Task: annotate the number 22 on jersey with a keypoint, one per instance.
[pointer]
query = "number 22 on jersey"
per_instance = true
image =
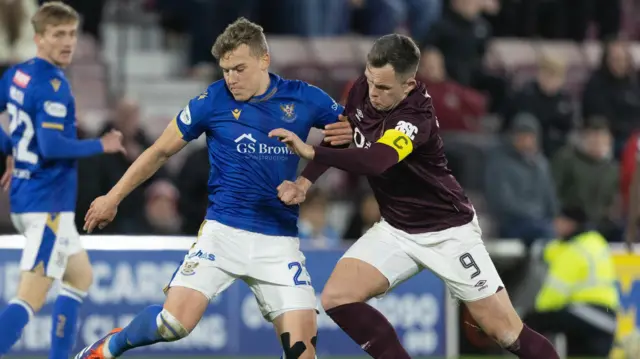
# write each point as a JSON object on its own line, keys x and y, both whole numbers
{"x": 17, "y": 117}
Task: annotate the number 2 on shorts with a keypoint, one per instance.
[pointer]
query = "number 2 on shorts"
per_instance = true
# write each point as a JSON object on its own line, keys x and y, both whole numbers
{"x": 467, "y": 262}
{"x": 296, "y": 277}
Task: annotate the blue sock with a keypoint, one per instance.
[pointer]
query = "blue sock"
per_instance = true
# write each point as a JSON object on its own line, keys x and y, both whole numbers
{"x": 143, "y": 330}
{"x": 12, "y": 320}
{"x": 65, "y": 319}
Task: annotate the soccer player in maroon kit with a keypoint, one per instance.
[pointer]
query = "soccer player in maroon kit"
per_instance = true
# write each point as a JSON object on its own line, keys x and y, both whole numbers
{"x": 428, "y": 222}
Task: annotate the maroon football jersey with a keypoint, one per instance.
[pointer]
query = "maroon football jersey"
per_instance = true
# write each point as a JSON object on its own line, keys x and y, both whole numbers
{"x": 419, "y": 194}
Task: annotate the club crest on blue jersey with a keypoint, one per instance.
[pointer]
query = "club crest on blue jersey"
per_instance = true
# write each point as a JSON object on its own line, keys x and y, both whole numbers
{"x": 289, "y": 112}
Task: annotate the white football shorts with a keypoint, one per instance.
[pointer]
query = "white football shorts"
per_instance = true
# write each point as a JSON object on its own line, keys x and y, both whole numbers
{"x": 457, "y": 255}
{"x": 272, "y": 266}
{"x": 51, "y": 238}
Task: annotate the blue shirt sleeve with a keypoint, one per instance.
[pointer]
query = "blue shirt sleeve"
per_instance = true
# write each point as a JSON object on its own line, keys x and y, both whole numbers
{"x": 324, "y": 109}
{"x": 193, "y": 120}
{"x": 51, "y": 113}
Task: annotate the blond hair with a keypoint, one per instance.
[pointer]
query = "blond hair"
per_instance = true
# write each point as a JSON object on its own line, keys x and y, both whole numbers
{"x": 241, "y": 32}
{"x": 52, "y": 14}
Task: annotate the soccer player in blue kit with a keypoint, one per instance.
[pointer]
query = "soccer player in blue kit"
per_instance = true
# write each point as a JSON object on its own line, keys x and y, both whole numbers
{"x": 248, "y": 233}
{"x": 43, "y": 150}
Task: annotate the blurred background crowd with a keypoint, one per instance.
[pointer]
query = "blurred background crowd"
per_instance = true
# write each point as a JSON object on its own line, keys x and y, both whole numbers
{"x": 538, "y": 100}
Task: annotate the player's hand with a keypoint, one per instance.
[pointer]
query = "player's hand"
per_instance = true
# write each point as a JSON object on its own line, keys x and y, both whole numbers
{"x": 102, "y": 211}
{"x": 5, "y": 181}
{"x": 112, "y": 142}
{"x": 294, "y": 143}
{"x": 291, "y": 193}
{"x": 339, "y": 133}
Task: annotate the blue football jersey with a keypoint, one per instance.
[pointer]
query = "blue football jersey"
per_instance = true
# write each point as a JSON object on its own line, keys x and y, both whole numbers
{"x": 246, "y": 165}
{"x": 38, "y": 99}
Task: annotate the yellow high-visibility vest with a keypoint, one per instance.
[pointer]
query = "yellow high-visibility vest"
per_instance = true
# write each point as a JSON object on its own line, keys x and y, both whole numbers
{"x": 581, "y": 271}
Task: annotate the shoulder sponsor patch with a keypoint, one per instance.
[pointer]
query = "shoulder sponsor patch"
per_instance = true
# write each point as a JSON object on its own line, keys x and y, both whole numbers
{"x": 55, "y": 109}
{"x": 407, "y": 128}
{"x": 21, "y": 79}
{"x": 185, "y": 116}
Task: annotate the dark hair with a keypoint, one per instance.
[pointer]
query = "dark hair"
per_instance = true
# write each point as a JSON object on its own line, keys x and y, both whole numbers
{"x": 241, "y": 32}
{"x": 399, "y": 51}
{"x": 596, "y": 123}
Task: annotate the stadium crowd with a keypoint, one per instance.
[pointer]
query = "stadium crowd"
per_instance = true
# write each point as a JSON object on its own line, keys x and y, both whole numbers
{"x": 555, "y": 144}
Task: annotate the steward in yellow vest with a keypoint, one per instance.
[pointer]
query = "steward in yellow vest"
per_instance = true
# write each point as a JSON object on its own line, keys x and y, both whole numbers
{"x": 578, "y": 297}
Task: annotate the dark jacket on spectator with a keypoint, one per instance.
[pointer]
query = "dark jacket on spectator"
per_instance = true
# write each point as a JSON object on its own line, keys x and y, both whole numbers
{"x": 555, "y": 114}
{"x": 519, "y": 188}
{"x": 617, "y": 99}
{"x": 192, "y": 184}
{"x": 463, "y": 43}
{"x": 97, "y": 175}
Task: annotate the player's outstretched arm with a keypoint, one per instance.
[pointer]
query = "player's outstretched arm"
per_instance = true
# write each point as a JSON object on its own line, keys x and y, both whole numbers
{"x": 365, "y": 161}
{"x": 104, "y": 209}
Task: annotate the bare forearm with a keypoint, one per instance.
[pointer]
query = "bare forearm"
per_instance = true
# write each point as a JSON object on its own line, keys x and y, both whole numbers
{"x": 141, "y": 170}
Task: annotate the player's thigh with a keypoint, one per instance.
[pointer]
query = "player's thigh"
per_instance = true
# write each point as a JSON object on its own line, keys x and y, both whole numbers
{"x": 373, "y": 265}
{"x": 459, "y": 257}
{"x": 45, "y": 255}
{"x": 497, "y": 317}
{"x": 192, "y": 286}
{"x": 297, "y": 330}
{"x": 78, "y": 273}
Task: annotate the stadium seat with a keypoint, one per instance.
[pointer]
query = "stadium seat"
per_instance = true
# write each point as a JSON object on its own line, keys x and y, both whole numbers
{"x": 288, "y": 51}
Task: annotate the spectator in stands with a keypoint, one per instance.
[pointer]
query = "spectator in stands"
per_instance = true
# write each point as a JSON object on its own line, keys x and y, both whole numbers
{"x": 519, "y": 187}
{"x": 16, "y": 32}
{"x": 462, "y": 35}
{"x": 313, "y": 228}
{"x": 108, "y": 169}
{"x": 546, "y": 99}
{"x": 579, "y": 15}
{"x": 192, "y": 183}
{"x": 459, "y": 108}
{"x": 161, "y": 210}
{"x": 587, "y": 176}
{"x": 613, "y": 92}
{"x": 366, "y": 214}
{"x": 386, "y": 16}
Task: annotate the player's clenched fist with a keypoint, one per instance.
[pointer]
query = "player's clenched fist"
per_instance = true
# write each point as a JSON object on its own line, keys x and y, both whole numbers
{"x": 291, "y": 193}
{"x": 112, "y": 142}
{"x": 102, "y": 211}
{"x": 294, "y": 143}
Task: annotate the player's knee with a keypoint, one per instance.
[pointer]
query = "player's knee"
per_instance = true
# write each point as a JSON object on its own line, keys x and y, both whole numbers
{"x": 170, "y": 328}
{"x": 79, "y": 272}
{"x": 506, "y": 337}
{"x": 299, "y": 349}
{"x": 33, "y": 290}
{"x": 333, "y": 297}
{"x": 82, "y": 280}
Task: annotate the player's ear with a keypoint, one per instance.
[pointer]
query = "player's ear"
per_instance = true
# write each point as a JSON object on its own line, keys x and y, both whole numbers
{"x": 410, "y": 85}
{"x": 265, "y": 61}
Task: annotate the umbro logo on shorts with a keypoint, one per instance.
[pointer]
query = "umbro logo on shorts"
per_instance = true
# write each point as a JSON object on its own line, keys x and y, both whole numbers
{"x": 482, "y": 284}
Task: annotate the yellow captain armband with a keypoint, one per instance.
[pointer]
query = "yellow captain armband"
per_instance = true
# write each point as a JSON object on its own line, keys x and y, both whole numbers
{"x": 398, "y": 141}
